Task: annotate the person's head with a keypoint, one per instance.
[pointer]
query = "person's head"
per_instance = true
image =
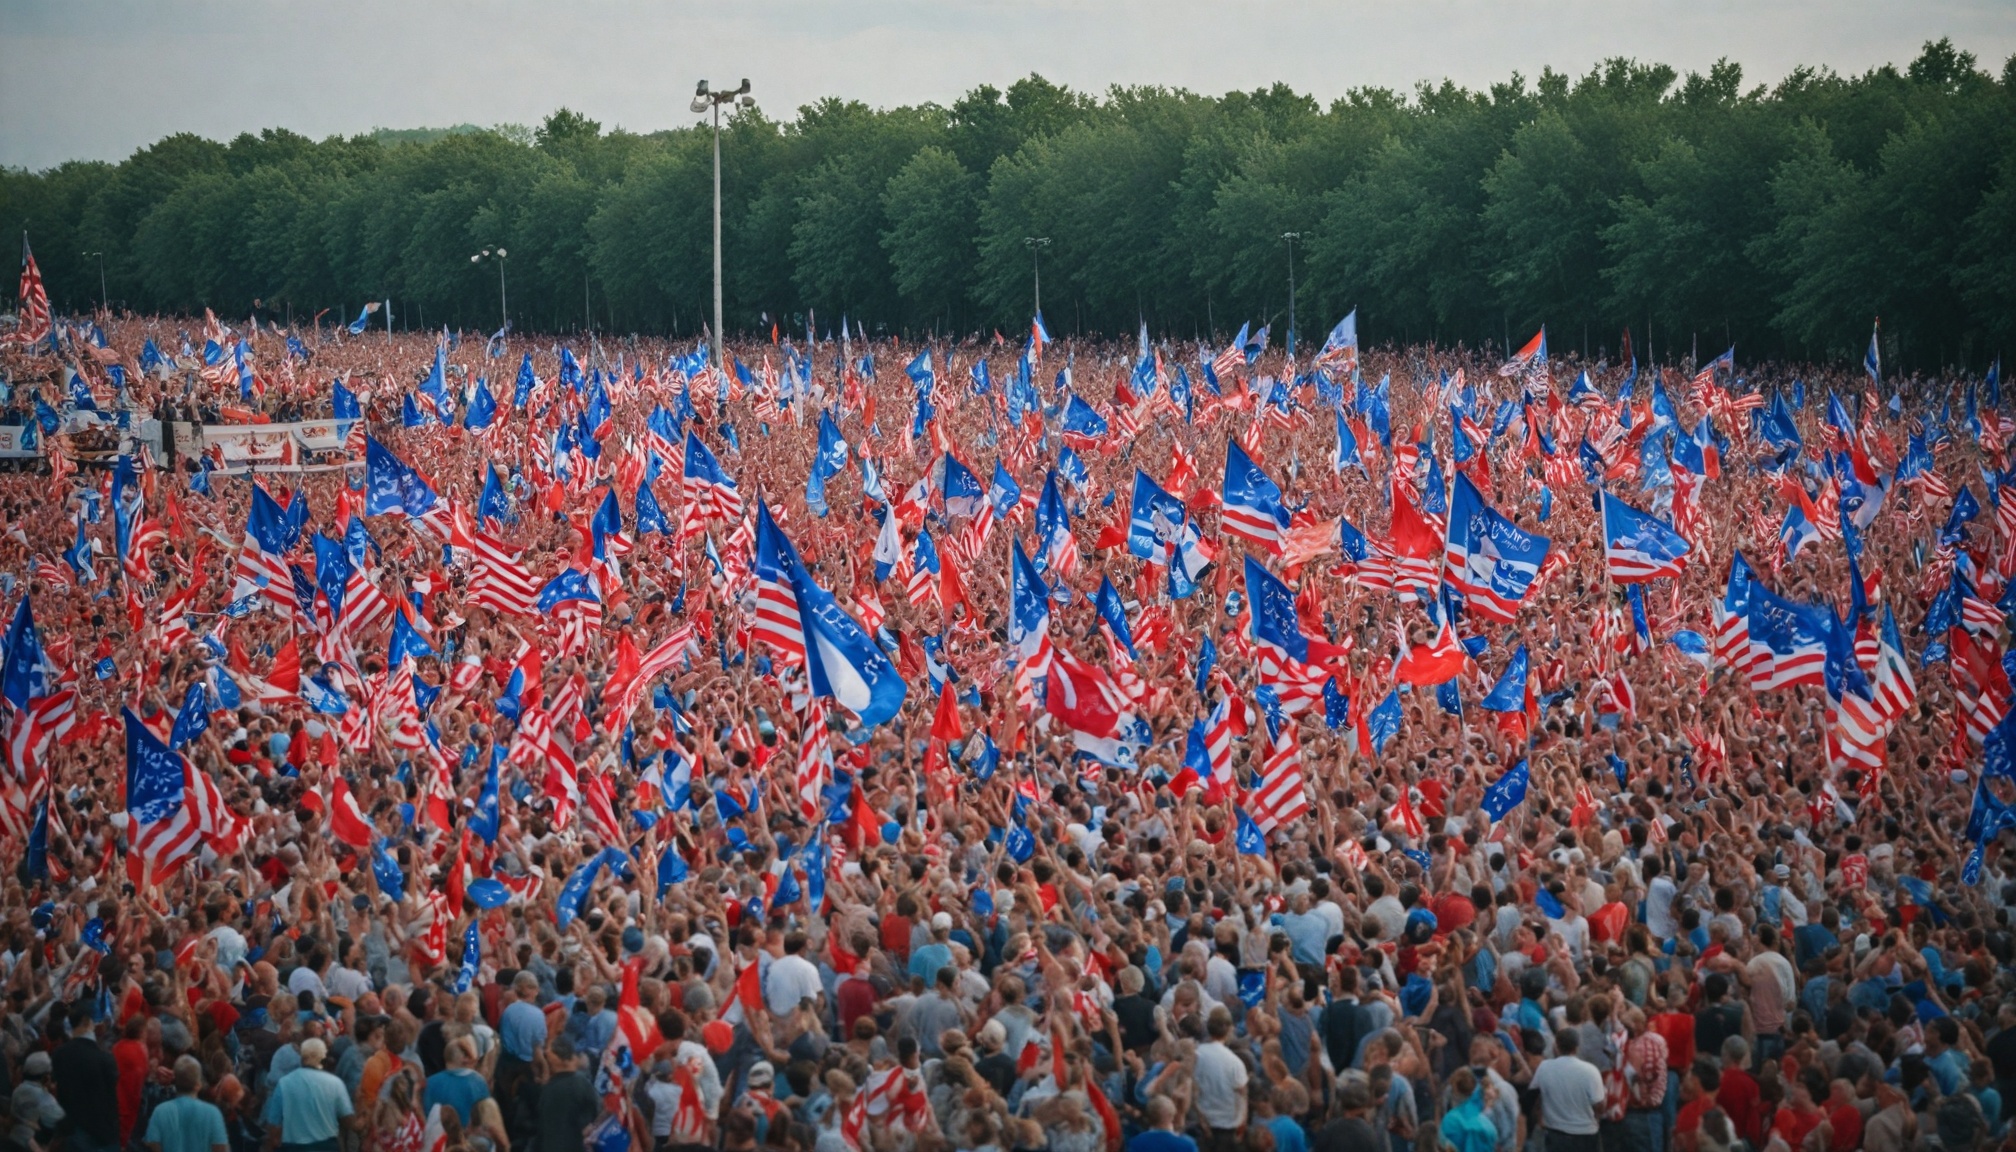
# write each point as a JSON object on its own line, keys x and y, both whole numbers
{"x": 562, "y": 1052}
{"x": 313, "y": 1051}
{"x": 525, "y": 986}
{"x": 188, "y": 1075}
{"x": 1735, "y": 1052}
{"x": 1219, "y": 1025}
{"x": 1567, "y": 1041}
{"x": 1462, "y": 1082}
{"x": 461, "y": 1053}
{"x": 37, "y": 1066}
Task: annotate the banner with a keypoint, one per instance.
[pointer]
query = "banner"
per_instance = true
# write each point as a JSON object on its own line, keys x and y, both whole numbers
{"x": 10, "y": 443}
{"x": 264, "y": 446}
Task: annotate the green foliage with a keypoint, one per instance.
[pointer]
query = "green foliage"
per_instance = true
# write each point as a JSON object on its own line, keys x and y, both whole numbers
{"x": 1782, "y": 218}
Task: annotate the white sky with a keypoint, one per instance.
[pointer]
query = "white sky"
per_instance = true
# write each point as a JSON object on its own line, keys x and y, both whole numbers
{"x": 95, "y": 79}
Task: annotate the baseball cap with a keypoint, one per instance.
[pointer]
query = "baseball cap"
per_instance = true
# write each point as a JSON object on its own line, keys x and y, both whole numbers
{"x": 763, "y": 1073}
{"x": 37, "y": 1064}
{"x": 941, "y": 921}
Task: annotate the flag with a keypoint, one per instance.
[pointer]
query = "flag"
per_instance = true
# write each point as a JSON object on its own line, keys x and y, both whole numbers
{"x": 164, "y": 826}
{"x": 842, "y": 660}
{"x": 1490, "y": 560}
{"x": 262, "y": 565}
{"x": 1639, "y": 546}
{"x": 1788, "y": 640}
{"x": 710, "y": 494}
{"x": 777, "y": 620}
{"x": 1087, "y": 701}
{"x": 1341, "y": 347}
{"x": 1283, "y": 794}
{"x": 1251, "y": 501}
{"x": 1506, "y": 792}
{"x": 1155, "y": 521}
{"x": 391, "y": 485}
{"x": 346, "y": 820}
{"x": 32, "y": 301}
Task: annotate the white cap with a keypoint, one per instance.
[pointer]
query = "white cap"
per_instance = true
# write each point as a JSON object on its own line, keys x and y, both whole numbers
{"x": 941, "y": 922}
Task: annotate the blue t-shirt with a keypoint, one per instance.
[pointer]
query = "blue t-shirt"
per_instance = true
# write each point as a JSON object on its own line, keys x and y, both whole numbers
{"x": 459, "y": 1089}
{"x": 926, "y": 961}
{"x": 1157, "y": 1140}
{"x": 1288, "y": 1135}
{"x": 522, "y": 1029}
{"x": 186, "y": 1124}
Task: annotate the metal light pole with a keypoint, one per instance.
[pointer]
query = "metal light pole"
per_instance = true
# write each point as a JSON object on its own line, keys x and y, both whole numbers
{"x": 104, "y": 301}
{"x": 1291, "y": 237}
{"x": 1036, "y": 244}
{"x": 706, "y": 101}
{"x": 503, "y": 306}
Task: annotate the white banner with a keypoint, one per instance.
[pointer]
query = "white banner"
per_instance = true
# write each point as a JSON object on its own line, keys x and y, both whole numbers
{"x": 10, "y": 443}
{"x": 263, "y": 445}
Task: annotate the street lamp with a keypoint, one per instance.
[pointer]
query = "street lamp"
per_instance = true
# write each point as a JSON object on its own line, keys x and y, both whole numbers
{"x": 1291, "y": 237}
{"x": 498, "y": 254}
{"x": 707, "y": 101}
{"x": 1036, "y": 244}
{"x": 104, "y": 303}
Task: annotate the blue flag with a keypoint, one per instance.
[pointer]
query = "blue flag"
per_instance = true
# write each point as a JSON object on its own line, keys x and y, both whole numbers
{"x": 192, "y": 721}
{"x": 386, "y": 871}
{"x": 1250, "y": 840}
{"x": 1506, "y": 792}
{"x": 472, "y": 959}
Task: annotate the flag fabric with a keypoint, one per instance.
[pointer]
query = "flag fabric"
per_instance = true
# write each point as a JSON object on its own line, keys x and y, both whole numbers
{"x": 1638, "y": 546}
{"x": 1250, "y": 501}
{"x": 1283, "y": 794}
{"x": 1490, "y": 560}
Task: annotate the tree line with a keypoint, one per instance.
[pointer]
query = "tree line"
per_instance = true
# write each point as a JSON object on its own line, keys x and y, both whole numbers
{"x": 1694, "y": 210}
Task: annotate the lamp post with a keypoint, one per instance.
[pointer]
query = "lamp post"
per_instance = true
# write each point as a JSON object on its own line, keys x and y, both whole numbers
{"x": 104, "y": 301}
{"x": 498, "y": 254}
{"x": 1036, "y": 244}
{"x": 1291, "y": 237}
{"x": 708, "y": 101}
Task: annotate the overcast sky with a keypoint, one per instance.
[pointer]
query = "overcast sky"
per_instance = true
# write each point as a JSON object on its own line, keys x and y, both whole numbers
{"x": 95, "y": 79}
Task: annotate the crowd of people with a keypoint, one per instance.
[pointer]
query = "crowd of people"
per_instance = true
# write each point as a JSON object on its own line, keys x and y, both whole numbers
{"x": 537, "y": 906}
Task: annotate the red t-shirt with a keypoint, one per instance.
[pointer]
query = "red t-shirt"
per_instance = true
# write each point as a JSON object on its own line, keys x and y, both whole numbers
{"x": 1678, "y": 1029}
{"x": 1793, "y": 1125}
{"x": 1689, "y": 1119}
{"x": 856, "y": 998}
{"x": 1847, "y": 1122}
{"x": 1739, "y": 1097}
{"x": 896, "y": 936}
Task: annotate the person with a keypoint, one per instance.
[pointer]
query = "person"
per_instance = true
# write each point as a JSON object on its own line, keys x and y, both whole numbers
{"x": 308, "y": 1109}
{"x": 187, "y": 1123}
{"x": 521, "y": 1037}
{"x": 568, "y": 1103}
{"x": 33, "y": 1107}
{"x": 1220, "y": 1077}
{"x": 1571, "y": 1096}
{"x": 87, "y": 1087}
{"x": 792, "y": 979}
{"x": 1352, "y": 1131}
{"x": 459, "y": 1085}
{"x": 1161, "y": 1134}
{"x": 1464, "y": 1127}
{"x": 398, "y": 1124}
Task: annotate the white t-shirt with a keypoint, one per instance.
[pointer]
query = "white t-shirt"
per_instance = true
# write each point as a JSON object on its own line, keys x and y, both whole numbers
{"x": 790, "y": 979}
{"x": 1659, "y": 916}
{"x": 1390, "y": 915}
{"x": 1221, "y": 1086}
{"x": 1571, "y": 1090}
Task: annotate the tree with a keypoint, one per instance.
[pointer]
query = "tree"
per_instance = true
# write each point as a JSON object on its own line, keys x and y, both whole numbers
{"x": 932, "y": 212}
